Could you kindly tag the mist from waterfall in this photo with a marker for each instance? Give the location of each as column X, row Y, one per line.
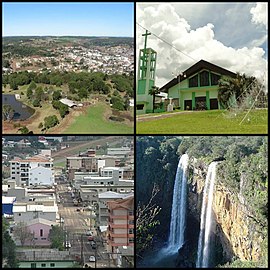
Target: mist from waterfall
column 206, row 218
column 178, row 214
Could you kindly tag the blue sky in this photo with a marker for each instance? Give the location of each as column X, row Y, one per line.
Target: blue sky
column 74, row 19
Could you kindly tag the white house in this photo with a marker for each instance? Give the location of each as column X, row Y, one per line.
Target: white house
column 41, row 176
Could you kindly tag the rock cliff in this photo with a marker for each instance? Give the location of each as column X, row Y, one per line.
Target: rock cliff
column 237, row 231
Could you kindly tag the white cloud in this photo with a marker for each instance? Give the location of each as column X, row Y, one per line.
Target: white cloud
column 259, row 13
column 199, row 43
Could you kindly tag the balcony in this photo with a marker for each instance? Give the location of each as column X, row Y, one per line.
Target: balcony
column 121, row 226
column 113, row 244
column 111, row 216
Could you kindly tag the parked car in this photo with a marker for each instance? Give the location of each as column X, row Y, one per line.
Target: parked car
column 93, row 245
column 67, row 244
column 92, row 259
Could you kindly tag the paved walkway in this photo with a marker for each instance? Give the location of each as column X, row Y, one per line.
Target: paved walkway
column 149, row 117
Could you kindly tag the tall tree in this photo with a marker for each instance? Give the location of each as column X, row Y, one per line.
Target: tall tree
column 22, row 232
column 57, row 237
column 153, row 92
column 229, row 87
column 7, row 112
column 8, row 248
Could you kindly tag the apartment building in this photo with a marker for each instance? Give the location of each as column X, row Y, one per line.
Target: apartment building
column 20, row 168
column 121, row 223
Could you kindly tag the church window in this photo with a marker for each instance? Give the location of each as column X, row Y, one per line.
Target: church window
column 193, row 82
column 204, row 78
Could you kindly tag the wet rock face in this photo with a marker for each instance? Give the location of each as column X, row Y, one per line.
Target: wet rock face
column 236, row 230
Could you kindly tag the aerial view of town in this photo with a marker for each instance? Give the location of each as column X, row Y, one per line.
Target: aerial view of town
column 67, row 76
column 67, row 201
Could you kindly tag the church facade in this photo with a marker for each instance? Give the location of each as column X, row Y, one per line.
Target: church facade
column 197, row 87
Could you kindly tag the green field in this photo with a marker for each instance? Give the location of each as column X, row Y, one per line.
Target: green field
column 207, row 122
column 93, row 123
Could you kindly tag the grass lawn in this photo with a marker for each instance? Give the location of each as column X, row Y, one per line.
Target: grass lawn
column 93, row 122
column 206, row 122
column 60, row 164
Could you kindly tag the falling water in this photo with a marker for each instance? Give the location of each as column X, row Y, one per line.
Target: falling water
column 178, row 216
column 206, row 218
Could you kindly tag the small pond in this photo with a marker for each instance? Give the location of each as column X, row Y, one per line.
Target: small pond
column 21, row 111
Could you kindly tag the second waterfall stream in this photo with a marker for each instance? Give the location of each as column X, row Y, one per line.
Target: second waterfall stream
column 206, row 218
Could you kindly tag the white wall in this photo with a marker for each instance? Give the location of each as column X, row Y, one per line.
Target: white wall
column 41, row 175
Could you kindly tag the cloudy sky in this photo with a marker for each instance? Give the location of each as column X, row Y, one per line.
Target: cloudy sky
column 231, row 35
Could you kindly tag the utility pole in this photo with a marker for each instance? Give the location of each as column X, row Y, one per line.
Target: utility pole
column 96, row 254
column 82, row 259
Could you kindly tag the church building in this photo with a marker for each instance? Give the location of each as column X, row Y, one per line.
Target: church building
column 197, row 87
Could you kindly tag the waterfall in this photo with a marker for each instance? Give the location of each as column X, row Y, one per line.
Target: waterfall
column 206, row 218
column 178, row 215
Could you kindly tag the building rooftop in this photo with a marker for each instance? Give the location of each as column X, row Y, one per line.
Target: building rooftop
column 43, row 255
column 111, row 195
column 127, row 203
column 8, row 200
column 42, row 221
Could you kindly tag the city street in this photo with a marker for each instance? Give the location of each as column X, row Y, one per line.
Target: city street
column 76, row 223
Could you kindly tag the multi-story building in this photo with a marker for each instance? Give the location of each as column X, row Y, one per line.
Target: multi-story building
column 103, row 199
column 121, row 223
column 88, row 164
column 20, row 168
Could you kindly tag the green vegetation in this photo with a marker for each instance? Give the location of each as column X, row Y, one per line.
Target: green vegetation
column 50, row 121
column 8, row 248
column 153, row 92
column 94, row 122
column 206, row 122
column 57, row 237
column 238, row 88
column 146, row 223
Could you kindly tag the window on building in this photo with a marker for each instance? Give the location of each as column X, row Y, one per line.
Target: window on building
column 204, row 78
column 43, row 238
column 43, row 265
column 214, row 79
column 131, row 240
column 139, row 106
column 52, row 264
column 41, row 232
column 131, row 222
column 13, row 173
column 130, row 213
column 193, row 82
column 131, row 231
column 33, row 265
column 12, row 177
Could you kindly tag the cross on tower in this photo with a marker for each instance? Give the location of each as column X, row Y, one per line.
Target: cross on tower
column 144, row 52
column 145, row 41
